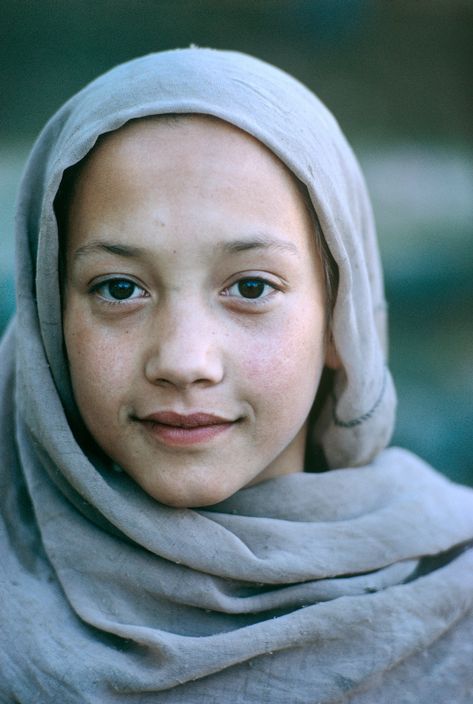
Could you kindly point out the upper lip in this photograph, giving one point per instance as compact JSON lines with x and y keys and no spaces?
{"x":192,"y":420}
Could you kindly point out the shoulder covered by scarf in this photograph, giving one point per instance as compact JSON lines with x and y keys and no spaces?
{"x":355,"y":585}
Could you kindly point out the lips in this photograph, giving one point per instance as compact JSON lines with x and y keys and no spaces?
{"x":175,"y":429}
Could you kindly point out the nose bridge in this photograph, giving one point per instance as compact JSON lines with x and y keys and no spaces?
{"x":184,"y":345}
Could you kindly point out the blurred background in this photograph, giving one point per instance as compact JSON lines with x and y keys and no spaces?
{"x":396,"y":74}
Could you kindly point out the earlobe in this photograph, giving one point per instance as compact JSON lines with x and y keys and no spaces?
{"x":332,"y":360}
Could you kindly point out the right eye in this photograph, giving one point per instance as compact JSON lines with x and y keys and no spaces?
{"x":117,"y":290}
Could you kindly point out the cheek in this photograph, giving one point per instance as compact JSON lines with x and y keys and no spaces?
{"x":287,"y":363}
{"x":99,"y":366}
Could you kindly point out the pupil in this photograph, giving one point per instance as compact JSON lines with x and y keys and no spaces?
{"x":121,"y":289}
{"x":251,"y":288}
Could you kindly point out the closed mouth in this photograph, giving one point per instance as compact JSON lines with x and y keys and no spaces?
{"x":177,"y":430}
{"x":192,"y":420}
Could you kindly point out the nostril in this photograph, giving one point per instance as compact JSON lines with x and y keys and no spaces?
{"x":182,"y":383}
{"x":161,"y":382}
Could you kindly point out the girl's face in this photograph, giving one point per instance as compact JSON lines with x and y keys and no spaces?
{"x":194,"y":313}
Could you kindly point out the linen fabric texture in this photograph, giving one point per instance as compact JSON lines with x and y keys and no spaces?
{"x":353,"y":585}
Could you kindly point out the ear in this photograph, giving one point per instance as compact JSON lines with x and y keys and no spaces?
{"x":332,"y":360}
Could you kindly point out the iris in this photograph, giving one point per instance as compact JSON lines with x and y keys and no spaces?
{"x":251,"y":288}
{"x":120,"y":289}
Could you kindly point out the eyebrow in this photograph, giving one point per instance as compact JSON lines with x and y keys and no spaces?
{"x":232,"y":247}
{"x":98,"y":246}
{"x":259,"y":242}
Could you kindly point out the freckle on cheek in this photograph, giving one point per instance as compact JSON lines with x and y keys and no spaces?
{"x":268,"y":372}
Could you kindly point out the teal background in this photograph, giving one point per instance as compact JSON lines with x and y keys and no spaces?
{"x":397,"y":75}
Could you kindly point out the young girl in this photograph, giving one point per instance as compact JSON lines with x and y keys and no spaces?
{"x":199,"y":335}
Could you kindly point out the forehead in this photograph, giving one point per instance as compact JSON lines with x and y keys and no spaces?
{"x":185,"y":143}
{"x":166,"y":158}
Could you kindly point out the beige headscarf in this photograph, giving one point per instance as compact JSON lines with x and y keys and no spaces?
{"x":305,"y":588}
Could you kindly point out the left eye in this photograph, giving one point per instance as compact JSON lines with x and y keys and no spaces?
{"x":118,"y":290}
{"x":251,"y":288}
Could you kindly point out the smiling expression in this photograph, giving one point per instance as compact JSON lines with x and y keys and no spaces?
{"x":194,"y":308}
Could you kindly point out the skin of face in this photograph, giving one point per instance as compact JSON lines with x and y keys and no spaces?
{"x":193,"y":287}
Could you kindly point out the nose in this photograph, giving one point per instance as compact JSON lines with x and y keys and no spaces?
{"x":184,"y":351}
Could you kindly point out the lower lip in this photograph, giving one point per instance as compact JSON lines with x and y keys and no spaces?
{"x":175,"y":436}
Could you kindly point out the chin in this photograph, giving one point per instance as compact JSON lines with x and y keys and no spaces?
{"x":190,"y":496}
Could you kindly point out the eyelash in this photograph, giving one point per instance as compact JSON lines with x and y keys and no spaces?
{"x":95,"y":290}
{"x":257,"y":300}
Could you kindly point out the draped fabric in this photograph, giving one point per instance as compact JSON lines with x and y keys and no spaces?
{"x":351,"y":585}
